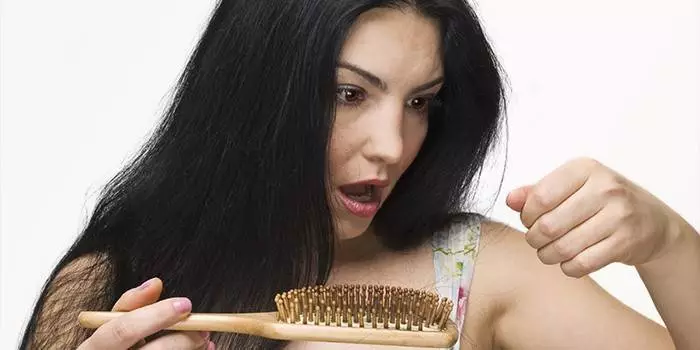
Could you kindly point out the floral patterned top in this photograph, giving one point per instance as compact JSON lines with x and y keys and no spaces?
{"x":454,"y":252}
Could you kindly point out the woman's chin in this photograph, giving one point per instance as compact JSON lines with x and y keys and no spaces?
{"x":353,"y":228}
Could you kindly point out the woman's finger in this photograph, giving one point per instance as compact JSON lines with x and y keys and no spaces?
{"x":597,"y":228}
{"x":555,"y":188}
{"x":592,"y":259}
{"x":133,"y":326}
{"x":516,"y":198}
{"x":574,"y":211}
{"x":145,"y":294}
{"x":179,"y":341}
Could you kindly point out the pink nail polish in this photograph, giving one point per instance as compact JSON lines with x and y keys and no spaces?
{"x":145,"y":285}
{"x":182,"y":305}
{"x":211,"y":346}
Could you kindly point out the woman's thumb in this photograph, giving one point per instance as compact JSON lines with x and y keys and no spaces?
{"x":517,"y":197}
{"x":145,"y":294}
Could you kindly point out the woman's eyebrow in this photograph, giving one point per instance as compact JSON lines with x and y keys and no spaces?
{"x":371,"y":78}
{"x":428,"y":85}
{"x":380,"y":84}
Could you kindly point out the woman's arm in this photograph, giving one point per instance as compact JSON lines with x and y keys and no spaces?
{"x":80,"y":285}
{"x":582,"y":217}
{"x":673,"y":281}
{"x":541,"y":308}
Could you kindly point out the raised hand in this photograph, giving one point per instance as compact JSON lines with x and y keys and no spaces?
{"x":585,"y":216}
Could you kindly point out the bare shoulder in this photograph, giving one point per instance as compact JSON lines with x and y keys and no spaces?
{"x":492,"y":286}
{"x":518,"y":302}
{"x":506,"y":265}
{"x":506,"y":268}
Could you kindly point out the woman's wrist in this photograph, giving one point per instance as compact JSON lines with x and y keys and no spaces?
{"x":683,"y":241}
{"x":673,"y":282}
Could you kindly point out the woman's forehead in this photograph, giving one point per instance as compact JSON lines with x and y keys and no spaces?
{"x":391,"y":43}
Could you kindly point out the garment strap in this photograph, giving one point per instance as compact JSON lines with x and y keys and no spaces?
{"x":454,"y":252}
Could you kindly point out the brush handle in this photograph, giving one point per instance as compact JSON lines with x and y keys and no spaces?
{"x":237,"y":323}
{"x":265,"y":324}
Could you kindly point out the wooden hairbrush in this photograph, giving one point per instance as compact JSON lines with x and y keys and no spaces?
{"x":360,"y":314}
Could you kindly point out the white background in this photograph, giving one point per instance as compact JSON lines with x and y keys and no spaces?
{"x":83,"y":82}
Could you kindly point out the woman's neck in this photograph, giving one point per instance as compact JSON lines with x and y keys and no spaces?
{"x":361,"y":248}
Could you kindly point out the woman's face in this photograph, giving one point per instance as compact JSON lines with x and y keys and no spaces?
{"x":390,"y":68}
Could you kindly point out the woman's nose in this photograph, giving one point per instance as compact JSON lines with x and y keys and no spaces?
{"x":385,"y":135}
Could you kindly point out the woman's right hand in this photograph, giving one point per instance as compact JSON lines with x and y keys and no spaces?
{"x":144,"y":316}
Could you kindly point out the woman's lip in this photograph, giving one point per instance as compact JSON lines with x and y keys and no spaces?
{"x":376,"y":182}
{"x":363,"y":210}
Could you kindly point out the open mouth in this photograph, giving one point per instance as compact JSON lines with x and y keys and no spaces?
{"x":360,"y":199}
{"x":362,"y":193}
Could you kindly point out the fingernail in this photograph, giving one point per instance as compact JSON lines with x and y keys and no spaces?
{"x":205,"y":335}
{"x":211,"y":346}
{"x":182,"y":305}
{"x":145,"y":285}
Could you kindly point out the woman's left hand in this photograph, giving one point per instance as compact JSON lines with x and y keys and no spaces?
{"x":585,"y":216}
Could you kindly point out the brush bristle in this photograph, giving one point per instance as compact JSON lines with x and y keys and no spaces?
{"x":364,"y":306}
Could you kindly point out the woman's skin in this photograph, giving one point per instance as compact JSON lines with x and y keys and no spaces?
{"x":530,"y":290}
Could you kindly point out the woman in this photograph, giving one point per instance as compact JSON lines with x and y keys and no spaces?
{"x":334,"y":142}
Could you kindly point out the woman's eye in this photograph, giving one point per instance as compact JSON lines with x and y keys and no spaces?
{"x":419,"y":103}
{"x":349,"y":95}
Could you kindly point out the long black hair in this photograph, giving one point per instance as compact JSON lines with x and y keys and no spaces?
{"x":226,"y":202}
